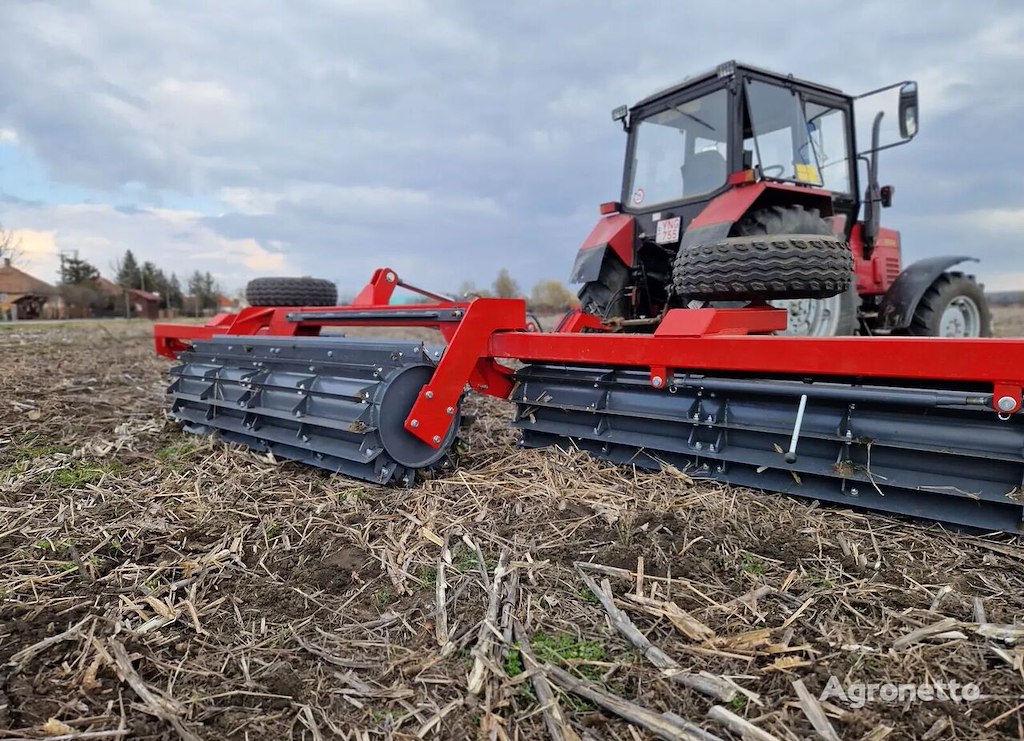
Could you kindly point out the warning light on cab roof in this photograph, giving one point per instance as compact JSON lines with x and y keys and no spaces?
{"x":742,"y":177}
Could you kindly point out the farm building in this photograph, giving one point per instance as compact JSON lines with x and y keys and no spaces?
{"x":23,"y":296}
{"x":141,"y":303}
{"x":144,"y":304}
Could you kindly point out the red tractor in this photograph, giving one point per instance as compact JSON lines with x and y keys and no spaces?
{"x":743,"y":185}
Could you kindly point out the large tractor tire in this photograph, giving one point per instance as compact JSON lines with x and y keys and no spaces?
{"x":953,"y":306}
{"x":291,"y":292}
{"x":808,"y":274}
{"x":606,"y":297}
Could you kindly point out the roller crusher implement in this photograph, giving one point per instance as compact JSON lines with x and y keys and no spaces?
{"x":924,"y":427}
{"x":331,"y":402}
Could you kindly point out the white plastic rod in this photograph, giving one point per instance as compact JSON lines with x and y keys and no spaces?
{"x":791,"y":455}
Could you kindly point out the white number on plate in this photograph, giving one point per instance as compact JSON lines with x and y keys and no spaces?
{"x":668,"y":231}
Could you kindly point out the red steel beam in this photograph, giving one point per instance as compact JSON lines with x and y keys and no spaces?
{"x":995,"y":361}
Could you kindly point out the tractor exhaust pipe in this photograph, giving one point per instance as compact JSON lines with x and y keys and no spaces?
{"x":873,"y":196}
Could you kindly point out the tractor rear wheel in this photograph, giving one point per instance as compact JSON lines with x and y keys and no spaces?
{"x":606,"y":297}
{"x":953,"y":306}
{"x":808,"y":316}
{"x":291,"y":292}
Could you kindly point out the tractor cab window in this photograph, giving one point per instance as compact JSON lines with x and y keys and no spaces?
{"x":680,"y":152}
{"x":829,"y":138}
{"x":775,"y":134}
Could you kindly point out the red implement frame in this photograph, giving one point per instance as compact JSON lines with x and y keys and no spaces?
{"x":484,"y":331}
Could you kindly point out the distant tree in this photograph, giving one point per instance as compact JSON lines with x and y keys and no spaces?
{"x":77,"y":289}
{"x":74,"y":271}
{"x":83,"y":299}
{"x":153,"y":280}
{"x":505,"y":287}
{"x":174,"y":300}
{"x":551,"y":295}
{"x":468,"y":289}
{"x":204,"y":290}
{"x":10,"y":246}
{"x":127,"y":270}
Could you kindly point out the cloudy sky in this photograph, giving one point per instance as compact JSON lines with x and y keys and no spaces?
{"x":448,"y":139}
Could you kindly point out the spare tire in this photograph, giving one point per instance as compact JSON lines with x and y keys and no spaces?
{"x":764,"y":268}
{"x":291,"y":292}
{"x":808,"y":317}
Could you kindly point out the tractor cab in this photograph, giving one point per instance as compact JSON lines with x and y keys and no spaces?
{"x":743,"y":153}
{"x":684,"y":143}
{"x":733,"y":125}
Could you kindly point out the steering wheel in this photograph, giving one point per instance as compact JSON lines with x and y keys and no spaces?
{"x":767,"y":171}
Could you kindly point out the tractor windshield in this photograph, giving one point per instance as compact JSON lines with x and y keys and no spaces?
{"x":775,"y":134}
{"x":680,"y":152}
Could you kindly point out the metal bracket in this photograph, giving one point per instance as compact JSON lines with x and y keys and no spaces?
{"x":1006,"y":398}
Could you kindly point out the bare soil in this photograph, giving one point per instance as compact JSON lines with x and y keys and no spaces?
{"x":159,"y":585}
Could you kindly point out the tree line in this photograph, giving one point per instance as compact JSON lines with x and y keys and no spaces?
{"x":79,"y":290}
{"x":546,"y":296}
{"x":78,"y":285}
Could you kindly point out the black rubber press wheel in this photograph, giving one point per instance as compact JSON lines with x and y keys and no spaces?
{"x":764,"y":268}
{"x":291,"y":292}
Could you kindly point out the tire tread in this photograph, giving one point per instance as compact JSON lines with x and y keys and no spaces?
{"x":291,"y":292}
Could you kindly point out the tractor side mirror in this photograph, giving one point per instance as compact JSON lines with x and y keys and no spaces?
{"x":619,"y":114}
{"x":885,"y":194}
{"x":886,"y":117}
{"x":908,"y":110}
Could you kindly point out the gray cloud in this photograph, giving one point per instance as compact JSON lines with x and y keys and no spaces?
{"x":452,"y":138}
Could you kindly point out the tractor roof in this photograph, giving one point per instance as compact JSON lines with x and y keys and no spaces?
{"x":729,"y":69}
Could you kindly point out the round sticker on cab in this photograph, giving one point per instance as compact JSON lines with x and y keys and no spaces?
{"x":638,"y":196}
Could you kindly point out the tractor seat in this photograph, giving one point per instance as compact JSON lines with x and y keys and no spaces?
{"x":703,"y":173}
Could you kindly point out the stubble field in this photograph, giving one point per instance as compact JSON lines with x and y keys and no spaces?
{"x":159,"y":585}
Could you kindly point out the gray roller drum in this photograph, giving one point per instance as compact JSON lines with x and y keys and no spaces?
{"x":332,"y":402}
{"x":941,"y":454}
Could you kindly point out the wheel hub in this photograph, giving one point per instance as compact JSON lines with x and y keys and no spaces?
{"x":960,"y":318}
{"x":810,"y":317}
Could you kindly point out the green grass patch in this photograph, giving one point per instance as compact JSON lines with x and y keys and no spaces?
{"x":30,"y":445}
{"x":382,"y":597}
{"x":625,"y":535}
{"x":83,"y":474}
{"x":467,"y":561}
{"x":560,"y":648}
{"x":565,"y":647}
{"x":357,"y":493}
{"x":514,"y":662}
{"x":56,"y":547}
{"x":867,"y":662}
{"x":428,"y":577}
{"x":819,"y":580}
{"x":752,"y":564}
{"x":178,"y":452}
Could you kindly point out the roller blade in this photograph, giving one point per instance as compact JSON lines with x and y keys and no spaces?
{"x":936,"y":454}
{"x":331,"y":402}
